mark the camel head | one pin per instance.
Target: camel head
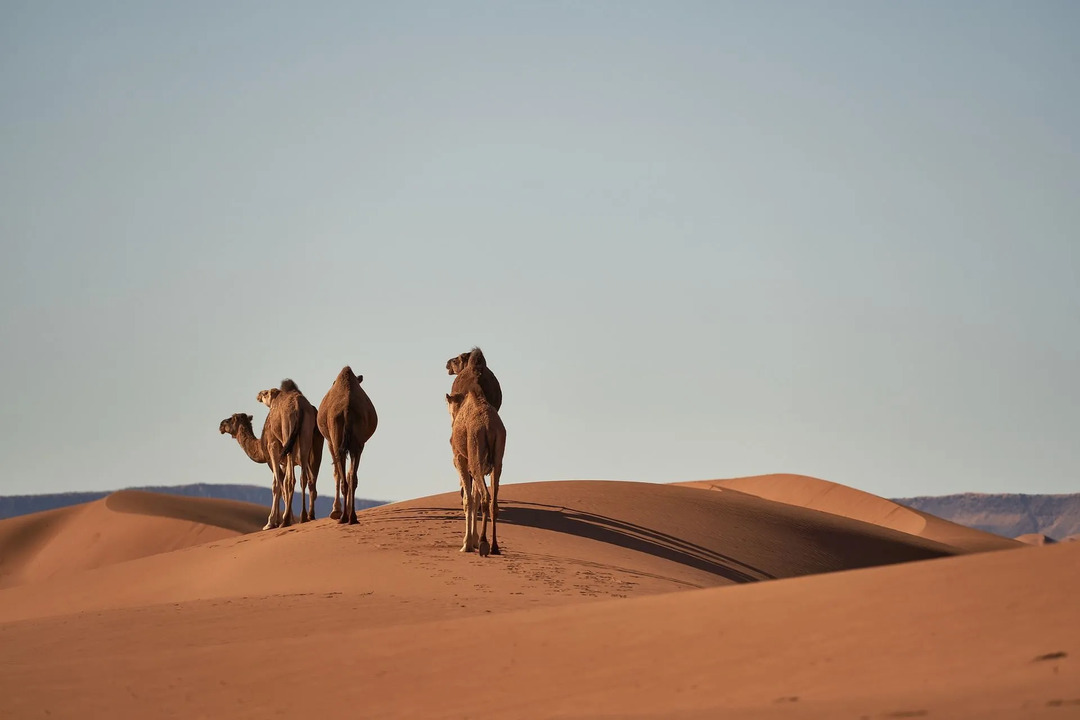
(267, 396)
(475, 357)
(456, 364)
(233, 424)
(453, 404)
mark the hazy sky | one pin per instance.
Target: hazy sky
(695, 240)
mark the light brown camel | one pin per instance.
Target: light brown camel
(478, 439)
(239, 427)
(284, 438)
(479, 373)
(347, 420)
(311, 452)
(489, 384)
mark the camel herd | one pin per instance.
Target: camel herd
(293, 436)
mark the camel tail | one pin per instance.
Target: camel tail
(344, 447)
(493, 453)
(481, 454)
(288, 446)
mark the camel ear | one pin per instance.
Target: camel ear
(359, 379)
(448, 398)
(247, 417)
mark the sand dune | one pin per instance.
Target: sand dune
(611, 600)
(830, 497)
(123, 526)
(1035, 539)
(564, 541)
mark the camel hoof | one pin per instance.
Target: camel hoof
(303, 517)
(342, 520)
(465, 548)
(495, 550)
(485, 549)
(269, 526)
(353, 520)
(335, 514)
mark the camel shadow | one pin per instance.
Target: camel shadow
(630, 536)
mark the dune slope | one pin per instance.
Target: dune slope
(125, 525)
(830, 497)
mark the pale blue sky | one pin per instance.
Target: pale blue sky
(694, 239)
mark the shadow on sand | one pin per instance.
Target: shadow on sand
(627, 535)
(600, 528)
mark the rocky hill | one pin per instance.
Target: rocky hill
(1056, 516)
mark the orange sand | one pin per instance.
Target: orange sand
(611, 600)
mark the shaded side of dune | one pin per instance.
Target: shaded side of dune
(22, 537)
(836, 499)
(124, 526)
(240, 517)
(735, 536)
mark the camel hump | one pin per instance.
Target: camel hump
(287, 385)
(477, 359)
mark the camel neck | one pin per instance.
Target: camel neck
(253, 446)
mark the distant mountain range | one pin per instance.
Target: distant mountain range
(1056, 516)
(14, 505)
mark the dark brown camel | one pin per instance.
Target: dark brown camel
(347, 420)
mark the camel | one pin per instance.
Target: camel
(478, 439)
(311, 453)
(347, 419)
(239, 427)
(489, 384)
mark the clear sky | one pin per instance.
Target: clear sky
(695, 240)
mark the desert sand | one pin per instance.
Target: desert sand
(771, 597)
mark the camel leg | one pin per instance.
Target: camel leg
(468, 506)
(310, 490)
(274, 520)
(482, 496)
(304, 517)
(350, 503)
(271, 519)
(348, 510)
(496, 473)
(315, 463)
(339, 478)
(335, 511)
(338, 456)
(307, 490)
(290, 487)
(303, 495)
